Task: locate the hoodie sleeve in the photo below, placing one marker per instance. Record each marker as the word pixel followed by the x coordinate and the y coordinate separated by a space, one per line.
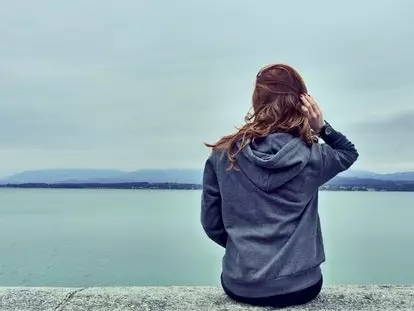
pixel 211 217
pixel 337 155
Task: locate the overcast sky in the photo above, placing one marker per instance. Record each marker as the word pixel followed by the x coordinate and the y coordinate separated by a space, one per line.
pixel 142 84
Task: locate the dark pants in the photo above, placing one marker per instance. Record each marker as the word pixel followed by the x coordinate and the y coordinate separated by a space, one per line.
pixel 280 301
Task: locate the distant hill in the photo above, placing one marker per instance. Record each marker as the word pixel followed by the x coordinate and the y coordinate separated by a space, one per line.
pixel 400 176
pixel 53 176
pixel 184 176
pixel 374 182
pixel 181 176
pixel 61 175
pixel 359 174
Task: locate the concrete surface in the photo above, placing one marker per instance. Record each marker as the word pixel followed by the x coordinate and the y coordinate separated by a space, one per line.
pixel 336 298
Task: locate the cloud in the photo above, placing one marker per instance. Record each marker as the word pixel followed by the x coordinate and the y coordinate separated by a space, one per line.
pixel 145 83
pixel 384 144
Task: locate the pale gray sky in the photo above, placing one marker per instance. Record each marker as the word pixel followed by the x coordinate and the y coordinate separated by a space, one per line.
pixel 141 84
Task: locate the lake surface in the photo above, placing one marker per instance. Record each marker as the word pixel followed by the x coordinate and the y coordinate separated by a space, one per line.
pixel 126 237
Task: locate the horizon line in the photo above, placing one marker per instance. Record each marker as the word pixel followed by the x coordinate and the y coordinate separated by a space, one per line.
pixel 9 174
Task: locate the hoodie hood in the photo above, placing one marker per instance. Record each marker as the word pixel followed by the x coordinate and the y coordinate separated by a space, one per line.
pixel 274 160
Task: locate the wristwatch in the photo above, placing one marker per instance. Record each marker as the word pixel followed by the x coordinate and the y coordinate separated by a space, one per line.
pixel 326 129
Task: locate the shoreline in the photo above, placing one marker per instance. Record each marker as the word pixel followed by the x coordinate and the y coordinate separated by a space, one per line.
pixel 182 186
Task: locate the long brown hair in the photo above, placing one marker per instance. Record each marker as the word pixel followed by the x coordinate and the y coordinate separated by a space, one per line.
pixel 276 108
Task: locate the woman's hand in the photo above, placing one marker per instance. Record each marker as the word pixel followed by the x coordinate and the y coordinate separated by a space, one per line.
pixel 314 114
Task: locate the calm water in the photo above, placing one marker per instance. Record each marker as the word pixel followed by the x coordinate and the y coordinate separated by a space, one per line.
pixel 112 237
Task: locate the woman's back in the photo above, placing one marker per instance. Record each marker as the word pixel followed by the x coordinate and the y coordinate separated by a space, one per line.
pixel 263 209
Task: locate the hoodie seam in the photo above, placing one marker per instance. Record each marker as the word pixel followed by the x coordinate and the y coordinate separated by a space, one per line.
pixel 267 182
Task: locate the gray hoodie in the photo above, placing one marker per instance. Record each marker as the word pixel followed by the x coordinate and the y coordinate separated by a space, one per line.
pixel 265 213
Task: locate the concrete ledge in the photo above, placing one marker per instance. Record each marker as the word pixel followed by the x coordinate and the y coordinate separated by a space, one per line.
pixel 193 298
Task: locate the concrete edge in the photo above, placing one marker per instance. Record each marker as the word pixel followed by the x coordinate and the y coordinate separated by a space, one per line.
pixel 375 297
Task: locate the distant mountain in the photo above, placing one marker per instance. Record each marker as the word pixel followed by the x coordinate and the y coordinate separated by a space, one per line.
pixel 184 176
pixel 359 174
pixel 61 175
pixel 352 181
pixel 401 176
pixel 53 176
